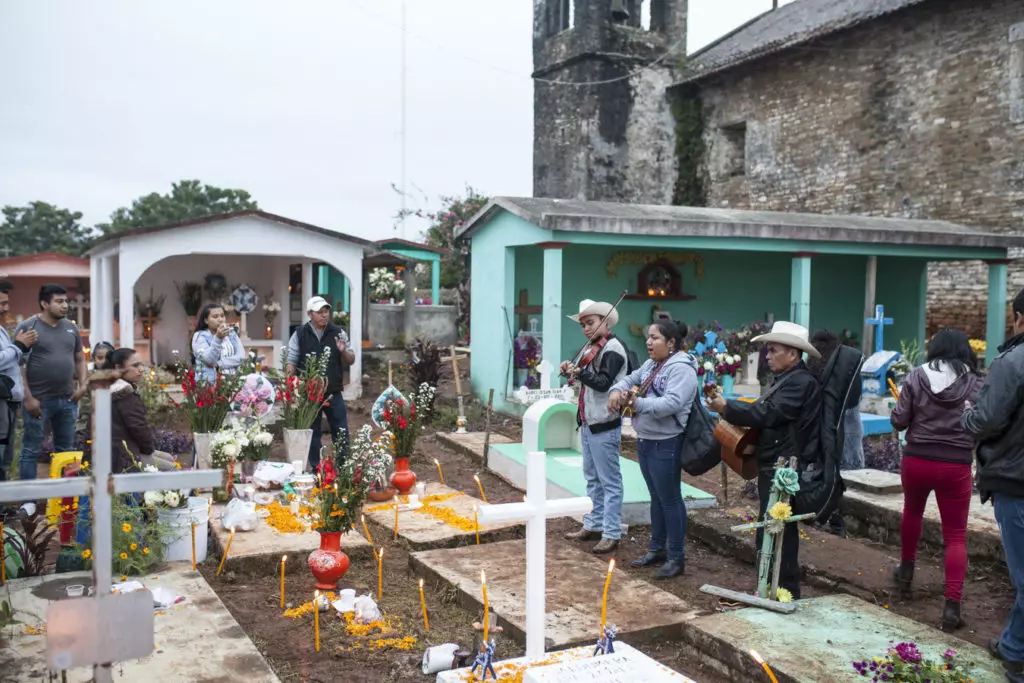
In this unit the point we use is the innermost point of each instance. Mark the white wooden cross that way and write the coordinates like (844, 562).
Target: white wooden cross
(80, 303)
(528, 396)
(104, 628)
(534, 511)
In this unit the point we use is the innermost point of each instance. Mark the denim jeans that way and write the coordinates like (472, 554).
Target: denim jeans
(604, 481)
(1010, 517)
(337, 420)
(661, 465)
(61, 414)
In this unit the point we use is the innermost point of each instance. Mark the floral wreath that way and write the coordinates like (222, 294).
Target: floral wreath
(255, 398)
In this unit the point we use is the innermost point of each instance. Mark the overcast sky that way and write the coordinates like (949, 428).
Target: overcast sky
(102, 101)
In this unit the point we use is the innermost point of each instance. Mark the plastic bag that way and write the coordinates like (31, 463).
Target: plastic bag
(268, 473)
(239, 515)
(366, 609)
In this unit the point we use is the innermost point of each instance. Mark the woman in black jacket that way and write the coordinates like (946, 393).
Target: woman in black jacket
(132, 444)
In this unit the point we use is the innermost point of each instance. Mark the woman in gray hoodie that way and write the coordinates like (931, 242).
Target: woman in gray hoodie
(660, 395)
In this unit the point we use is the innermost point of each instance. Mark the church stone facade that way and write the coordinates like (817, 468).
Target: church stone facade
(909, 108)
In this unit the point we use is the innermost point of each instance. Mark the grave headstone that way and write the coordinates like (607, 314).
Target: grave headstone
(551, 424)
(532, 396)
(873, 481)
(625, 664)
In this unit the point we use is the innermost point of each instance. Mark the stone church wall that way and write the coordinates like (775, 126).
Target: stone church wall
(919, 115)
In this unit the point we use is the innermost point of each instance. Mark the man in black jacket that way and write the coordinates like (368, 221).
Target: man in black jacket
(313, 338)
(787, 418)
(997, 422)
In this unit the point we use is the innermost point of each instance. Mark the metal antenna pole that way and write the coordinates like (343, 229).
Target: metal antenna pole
(403, 128)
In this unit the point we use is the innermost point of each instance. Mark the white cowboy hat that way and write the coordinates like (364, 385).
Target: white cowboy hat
(789, 334)
(601, 308)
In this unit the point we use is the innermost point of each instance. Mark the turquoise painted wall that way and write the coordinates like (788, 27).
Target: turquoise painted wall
(837, 292)
(333, 284)
(901, 286)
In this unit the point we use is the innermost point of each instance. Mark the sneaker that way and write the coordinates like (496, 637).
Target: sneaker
(583, 535)
(605, 545)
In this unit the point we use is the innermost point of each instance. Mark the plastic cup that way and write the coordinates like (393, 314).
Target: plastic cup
(75, 590)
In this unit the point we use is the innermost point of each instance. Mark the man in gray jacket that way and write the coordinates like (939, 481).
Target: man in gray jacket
(11, 391)
(996, 421)
(602, 363)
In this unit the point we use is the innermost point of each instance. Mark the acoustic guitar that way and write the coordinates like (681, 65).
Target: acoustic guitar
(738, 447)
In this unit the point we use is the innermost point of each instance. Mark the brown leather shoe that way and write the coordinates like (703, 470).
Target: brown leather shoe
(583, 535)
(605, 545)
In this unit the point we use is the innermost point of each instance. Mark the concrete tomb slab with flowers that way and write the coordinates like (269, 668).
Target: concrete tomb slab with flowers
(550, 426)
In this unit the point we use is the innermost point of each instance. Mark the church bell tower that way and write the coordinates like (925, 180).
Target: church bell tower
(603, 128)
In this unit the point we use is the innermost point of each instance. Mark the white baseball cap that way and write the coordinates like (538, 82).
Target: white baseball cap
(316, 303)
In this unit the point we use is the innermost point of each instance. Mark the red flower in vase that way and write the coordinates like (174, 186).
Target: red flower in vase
(327, 473)
(402, 423)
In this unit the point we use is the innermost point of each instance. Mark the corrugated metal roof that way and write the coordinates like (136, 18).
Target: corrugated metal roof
(785, 27)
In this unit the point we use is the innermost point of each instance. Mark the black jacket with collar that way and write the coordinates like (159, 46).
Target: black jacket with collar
(790, 409)
(996, 420)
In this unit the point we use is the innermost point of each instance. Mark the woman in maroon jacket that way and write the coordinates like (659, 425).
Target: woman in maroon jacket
(937, 458)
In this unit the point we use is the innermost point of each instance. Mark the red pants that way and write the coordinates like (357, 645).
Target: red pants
(952, 485)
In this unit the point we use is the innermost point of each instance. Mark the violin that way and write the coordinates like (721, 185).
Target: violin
(590, 353)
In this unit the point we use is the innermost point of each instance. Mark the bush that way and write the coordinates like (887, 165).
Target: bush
(424, 362)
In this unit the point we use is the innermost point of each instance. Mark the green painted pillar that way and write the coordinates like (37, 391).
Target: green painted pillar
(551, 305)
(345, 303)
(800, 290)
(508, 328)
(435, 281)
(322, 286)
(995, 319)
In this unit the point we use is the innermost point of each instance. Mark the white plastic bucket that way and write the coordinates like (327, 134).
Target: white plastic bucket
(179, 536)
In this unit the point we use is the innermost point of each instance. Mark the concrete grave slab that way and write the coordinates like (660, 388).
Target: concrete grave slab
(196, 640)
(579, 665)
(470, 443)
(873, 481)
(265, 545)
(575, 581)
(424, 529)
(565, 480)
(819, 641)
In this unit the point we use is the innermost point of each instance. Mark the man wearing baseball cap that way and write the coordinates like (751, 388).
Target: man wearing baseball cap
(312, 339)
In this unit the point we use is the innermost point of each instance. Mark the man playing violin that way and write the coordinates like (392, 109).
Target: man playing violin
(602, 362)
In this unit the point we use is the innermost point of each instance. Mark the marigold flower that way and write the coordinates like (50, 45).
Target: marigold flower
(124, 556)
(126, 527)
(783, 595)
(145, 551)
(133, 546)
(86, 554)
(123, 577)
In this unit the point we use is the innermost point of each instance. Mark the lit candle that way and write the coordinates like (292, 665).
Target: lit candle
(423, 604)
(439, 472)
(476, 524)
(396, 518)
(367, 530)
(283, 559)
(316, 619)
(380, 573)
(480, 486)
(483, 585)
(227, 549)
(759, 660)
(193, 546)
(604, 598)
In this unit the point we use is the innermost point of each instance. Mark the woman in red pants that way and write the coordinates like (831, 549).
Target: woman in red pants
(937, 458)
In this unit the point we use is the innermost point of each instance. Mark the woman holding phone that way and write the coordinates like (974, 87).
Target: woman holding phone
(215, 345)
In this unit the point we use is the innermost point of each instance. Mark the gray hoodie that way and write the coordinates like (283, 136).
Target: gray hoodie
(662, 414)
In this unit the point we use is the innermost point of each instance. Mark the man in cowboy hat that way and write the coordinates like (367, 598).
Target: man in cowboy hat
(602, 363)
(787, 418)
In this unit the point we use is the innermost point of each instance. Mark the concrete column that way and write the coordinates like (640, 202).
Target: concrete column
(551, 315)
(107, 297)
(95, 314)
(479, 364)
(870, 279)
(307, 283)
(357, 323)
(409, 277)
(800, 290)
(126, 296)
(995, 320)
(435, 282)
(282, 296)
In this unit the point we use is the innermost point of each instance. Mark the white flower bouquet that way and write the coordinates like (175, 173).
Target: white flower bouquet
(170, 498)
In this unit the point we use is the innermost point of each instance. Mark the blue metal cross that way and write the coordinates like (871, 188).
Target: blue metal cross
(879, 322)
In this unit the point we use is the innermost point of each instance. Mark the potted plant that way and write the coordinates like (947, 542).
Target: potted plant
(301, 397)
(206, 404)
(904, 663)
(256, 450)
(225, 449)
(190, 294)
(403, 422)
(727, 366)
(177, 511)
(337, 502)
(526, 358)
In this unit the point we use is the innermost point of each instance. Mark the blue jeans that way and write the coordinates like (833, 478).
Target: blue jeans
(61, 414)
(662, 467)
(1010, 517)
(604, 481)
(337, 420)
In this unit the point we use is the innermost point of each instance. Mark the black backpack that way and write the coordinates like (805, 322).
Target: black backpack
(632, 360)
(821, 485)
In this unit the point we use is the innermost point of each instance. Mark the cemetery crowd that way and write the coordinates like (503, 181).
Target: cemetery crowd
(950, 412)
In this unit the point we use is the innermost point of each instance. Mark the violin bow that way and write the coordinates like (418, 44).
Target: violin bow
(576, 356)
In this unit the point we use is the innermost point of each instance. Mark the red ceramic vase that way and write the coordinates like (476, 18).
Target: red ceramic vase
(403, 479)
(328, 563)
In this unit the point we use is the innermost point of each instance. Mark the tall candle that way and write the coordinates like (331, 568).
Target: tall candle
(380, 573)
(764, 664)
(193, 546)
(480, 486)
(440, 474)
(396, 518)
(283, 559)
(476, 524)
(483, 585)
(604, 598)
(423, 604)
(316, 619)
(227, 549)
(367, 530)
